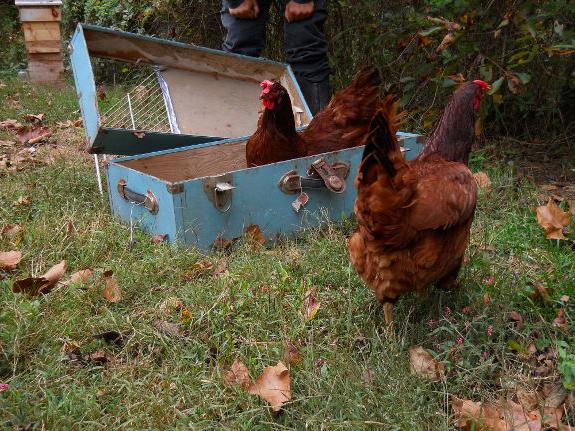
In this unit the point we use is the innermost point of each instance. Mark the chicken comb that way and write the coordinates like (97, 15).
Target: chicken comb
(484, 85)
(266, 84)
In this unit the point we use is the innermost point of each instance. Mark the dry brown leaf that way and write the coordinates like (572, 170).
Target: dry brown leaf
(35, 117)
(222, 244)
(10, 231)
(482, 180)
(221, 267)
(527, 398)
(22, 200)
(514, 316)
(9, 259)
(35, 286)
(291, 355)
(99, 356)
(310, 304)
(274, 386)
(33, 134)
(254, 234)
(556, 396)
(560, 320)
(81, 276)
(448, 25)
(197, 270)
(423, 364)
(564, 298)
(553, 219)
(541, 291)
(503, 415)
(447, 40)
(112, 290)
(65, 124)
(168, 328)
(10, 124)
(238, 375)
(157, 239)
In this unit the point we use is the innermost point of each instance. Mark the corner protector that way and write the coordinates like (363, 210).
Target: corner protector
(175, 188)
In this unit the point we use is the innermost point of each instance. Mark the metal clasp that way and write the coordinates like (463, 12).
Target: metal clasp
(320, 175)
(219, 191)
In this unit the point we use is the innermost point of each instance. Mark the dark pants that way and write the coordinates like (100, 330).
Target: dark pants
(304, 42)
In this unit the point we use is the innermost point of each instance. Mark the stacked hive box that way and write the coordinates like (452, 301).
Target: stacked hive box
(41, 25)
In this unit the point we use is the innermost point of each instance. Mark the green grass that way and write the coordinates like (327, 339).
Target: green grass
(355, 373)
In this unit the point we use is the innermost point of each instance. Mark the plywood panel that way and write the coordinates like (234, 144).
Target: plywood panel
(213, 105)
(44, 14)
(37, 31)
(43, 46)
(193, 163)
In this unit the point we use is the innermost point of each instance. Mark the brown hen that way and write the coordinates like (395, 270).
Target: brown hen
(414, 217)
(342, 124)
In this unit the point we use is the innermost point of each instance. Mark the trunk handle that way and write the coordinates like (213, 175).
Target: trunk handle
(320, 175)
(148, 200)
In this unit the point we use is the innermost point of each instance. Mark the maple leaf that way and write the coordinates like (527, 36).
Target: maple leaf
(274, 386)
(238, 375)
(552, 219)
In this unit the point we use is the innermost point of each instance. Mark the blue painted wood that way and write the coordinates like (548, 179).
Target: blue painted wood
(190, 218)
(85, 84)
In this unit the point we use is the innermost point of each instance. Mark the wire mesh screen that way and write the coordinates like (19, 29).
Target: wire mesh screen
(137, 99)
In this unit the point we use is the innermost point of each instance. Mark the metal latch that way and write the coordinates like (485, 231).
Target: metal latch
(219, 191)
(320, 175)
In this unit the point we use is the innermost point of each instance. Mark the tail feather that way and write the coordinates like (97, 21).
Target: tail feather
(381, 145)
(367, 77)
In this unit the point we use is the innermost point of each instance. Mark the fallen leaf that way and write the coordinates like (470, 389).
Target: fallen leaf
(222, 244)
(22, 200)
(560, 320)
(10, 124)
(514, 316)
(168, 328)
(33, 134)
(81, 276)
(291, 355)
(112, 291)
(10, 231)
(423, 364)
(447, 40)
(448, 25)
(198, 269)
(541, 292)
(34, 117)
(527, 398)
(9, 259)
(111, 337)
(156, 239)
(274, 386)
(65, 124)
(254, 234)
(220, 267)
(482, 180)
(310, 304)
(35, 286)
(553, 219)
(556, 396)
(238, 375)
(552, 419)
(503, 415)
(99, 356)
(564, 298)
